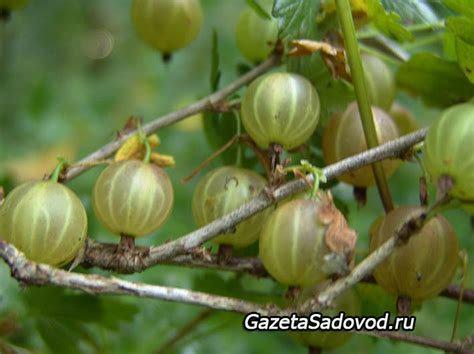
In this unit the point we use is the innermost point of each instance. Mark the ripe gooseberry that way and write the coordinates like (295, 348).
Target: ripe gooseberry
(45, 220)
(344, 137)
(132, 197)
(297, 241)
(422, 267)
(223, 190)
(448, 150)
(255, 35)
(348, 303)
(167, 25)
(380, 82)
(280, 108)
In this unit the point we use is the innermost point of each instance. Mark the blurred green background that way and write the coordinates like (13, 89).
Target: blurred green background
(71, 73)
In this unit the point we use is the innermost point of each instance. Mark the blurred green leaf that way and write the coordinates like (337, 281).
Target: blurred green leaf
(116, 311)
(57, 303)
(463, 30)
(62, 318)
(232, 286)
(60, 336)
(412, 11)
(297, 19)
(464, 7)
(259, 10)
(375, 301)
(334, 95)
(243, 68)
(40, 99)
(438, 81)
(387, 22)
(215, 71)
(219, 128)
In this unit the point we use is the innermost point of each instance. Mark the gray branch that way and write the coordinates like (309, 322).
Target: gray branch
(31, 273)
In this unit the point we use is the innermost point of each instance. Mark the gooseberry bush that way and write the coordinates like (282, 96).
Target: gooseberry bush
(308, 156)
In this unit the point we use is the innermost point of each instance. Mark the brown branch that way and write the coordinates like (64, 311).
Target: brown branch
(454, 347)
(109, 256)
(454, 291)
(97, 254)
(207, 103)
(208, 160)
(30, 273)
(184, 331)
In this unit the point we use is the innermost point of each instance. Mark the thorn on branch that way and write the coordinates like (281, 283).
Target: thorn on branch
(423, 191)
(224, 253)
(410, 228)
(360, 196)
(444, 184)
(314, 350)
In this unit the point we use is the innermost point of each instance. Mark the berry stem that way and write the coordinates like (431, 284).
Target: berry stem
(314, 350)
(147, 156)
(403, 306)
(317, 173)
(357, 72)
(224, 253)
(238, 161)
(208, 160)
(57, 170)
(127, 242)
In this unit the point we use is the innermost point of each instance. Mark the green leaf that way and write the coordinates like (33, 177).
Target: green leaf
(63, 318)
(375, 301)
(259, 10)
(116, 311)
(65, 337)
(219, 128)
(387, 22)
(438, 81)
(463, 30)
(40, 99)
(236, 286)
(215, 71)
(296, 19)
(463, 7)
(56, 303)
(411, 11)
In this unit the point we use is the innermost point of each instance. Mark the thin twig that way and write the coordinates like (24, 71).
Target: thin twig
(455, 347)
(184, 331)
(207, 103)
(208, 160)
